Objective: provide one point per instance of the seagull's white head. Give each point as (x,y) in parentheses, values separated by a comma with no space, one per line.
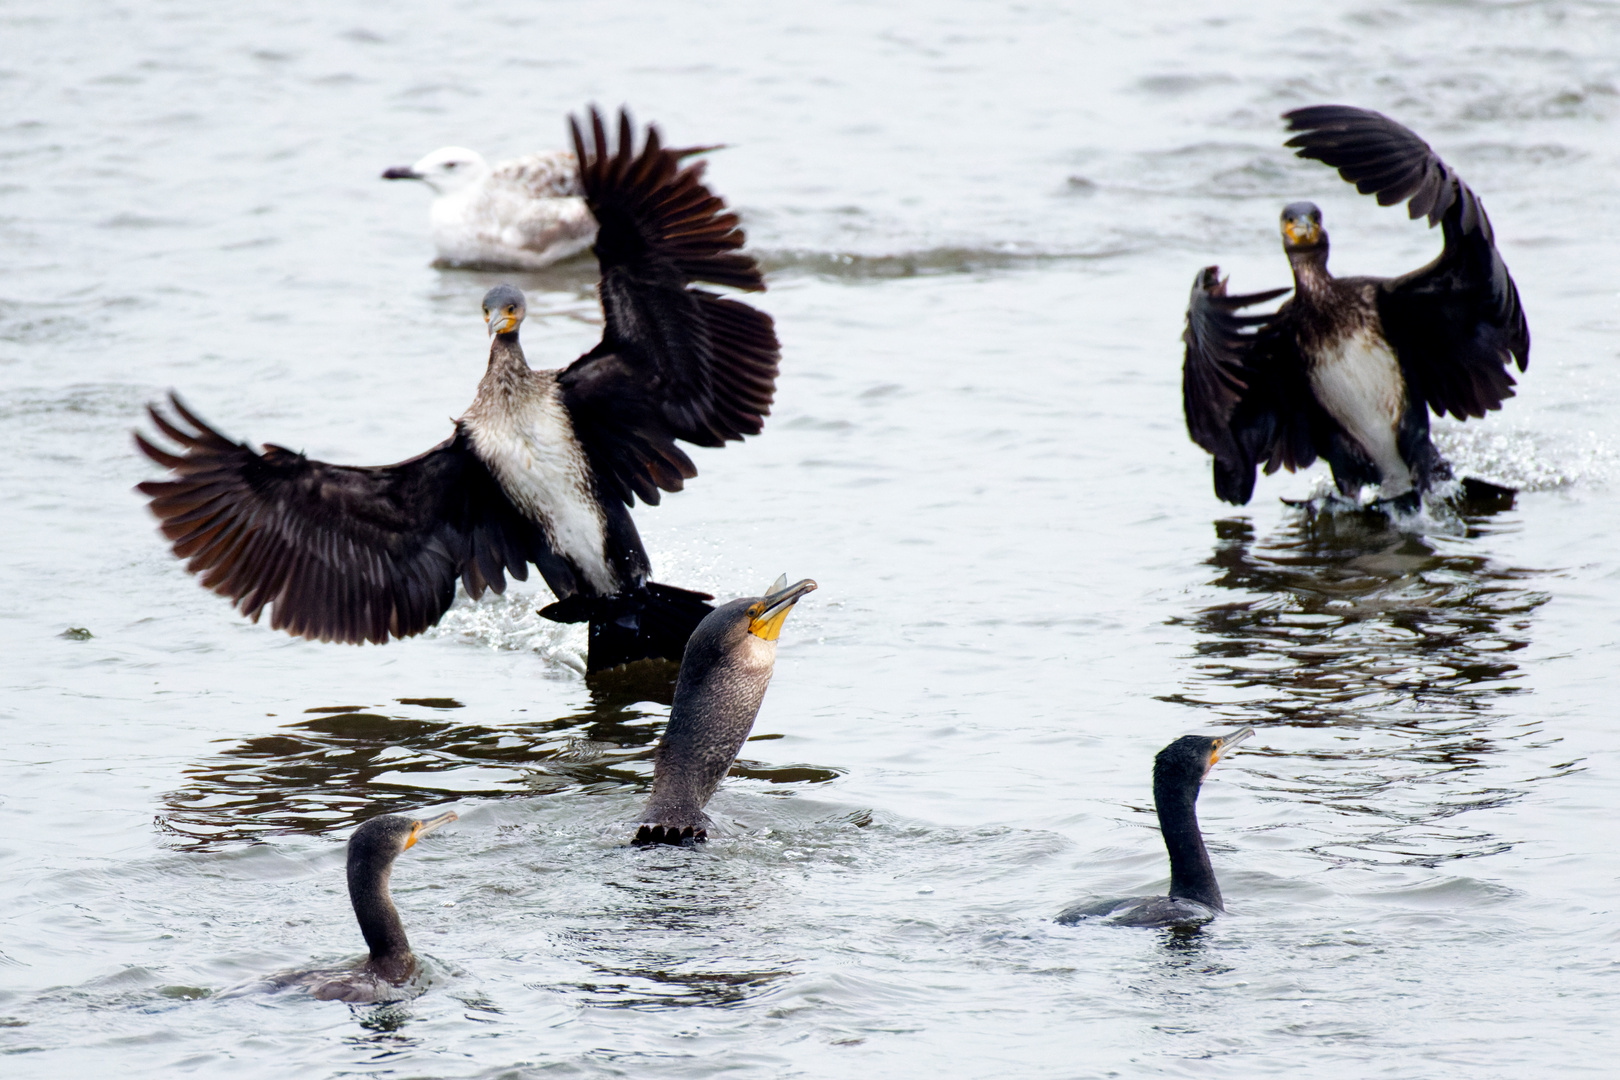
(447,169)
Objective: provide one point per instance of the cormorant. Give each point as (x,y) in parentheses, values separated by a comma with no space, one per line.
(372,851)
(723,677)
(1178,773)
(542,468)
(1348,368)
(523,214)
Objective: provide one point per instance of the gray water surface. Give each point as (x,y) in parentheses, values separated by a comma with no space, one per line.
(980,224)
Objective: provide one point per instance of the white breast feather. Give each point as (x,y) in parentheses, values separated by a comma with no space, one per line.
(499,225)
(1358,381)
(532,452)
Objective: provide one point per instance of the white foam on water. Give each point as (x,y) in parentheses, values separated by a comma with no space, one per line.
(1528,460)
(512,623)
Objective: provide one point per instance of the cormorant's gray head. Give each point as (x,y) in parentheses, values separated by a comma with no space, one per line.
(504,309)
(447,169)
(1188,760)
(767,614)
(1302,227)
(743,632)
(390,834)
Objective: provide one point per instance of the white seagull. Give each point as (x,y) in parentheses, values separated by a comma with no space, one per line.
(522,214)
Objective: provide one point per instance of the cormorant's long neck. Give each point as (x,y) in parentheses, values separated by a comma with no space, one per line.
(1191,875)
(716,700)
(1312,282)
(507,366)
(374,909)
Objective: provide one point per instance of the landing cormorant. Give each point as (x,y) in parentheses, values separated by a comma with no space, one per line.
(1178,773)
(1348,368)
(542,468)
(723,677)
(372,851)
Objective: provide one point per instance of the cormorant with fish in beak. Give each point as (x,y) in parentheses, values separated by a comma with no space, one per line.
(725,671)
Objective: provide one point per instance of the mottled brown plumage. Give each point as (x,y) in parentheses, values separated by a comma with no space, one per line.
(1278,391)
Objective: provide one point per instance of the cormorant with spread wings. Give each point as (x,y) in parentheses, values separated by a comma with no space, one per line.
(1348,368)
(542,468)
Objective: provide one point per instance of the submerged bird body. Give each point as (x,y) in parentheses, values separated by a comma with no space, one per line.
(723,678)
(1347,369)
(391,964)
(542,468)
(523,214)
(1194,896)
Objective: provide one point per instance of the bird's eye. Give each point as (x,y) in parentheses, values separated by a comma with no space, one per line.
(451,164)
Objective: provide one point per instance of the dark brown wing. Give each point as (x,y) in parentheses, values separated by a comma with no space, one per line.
(339,553)
(1456,324)
(1242,387)
(674,362)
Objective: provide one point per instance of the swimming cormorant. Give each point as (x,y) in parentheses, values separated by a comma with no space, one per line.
(1178,773)
(723,677)
(372,851)
(1348,368)
(542,468)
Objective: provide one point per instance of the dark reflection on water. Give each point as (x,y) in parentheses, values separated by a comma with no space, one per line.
(641,952)
(1348,620)
(651,988)
(343,763)
(1399,647)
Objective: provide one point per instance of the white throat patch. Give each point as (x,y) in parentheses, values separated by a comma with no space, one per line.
(528,442)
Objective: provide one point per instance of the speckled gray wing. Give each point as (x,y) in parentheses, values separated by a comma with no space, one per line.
(1242,387)
(547,174)
(1456,324)
(339,553)
(675,362)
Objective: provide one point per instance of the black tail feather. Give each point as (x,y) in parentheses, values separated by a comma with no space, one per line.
(654,621)
(1484,497)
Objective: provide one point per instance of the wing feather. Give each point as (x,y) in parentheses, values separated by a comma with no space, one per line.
(337,553)
(675,362)
(1242,387)
(1456,324)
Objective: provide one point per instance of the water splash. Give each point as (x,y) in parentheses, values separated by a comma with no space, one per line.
(512,623)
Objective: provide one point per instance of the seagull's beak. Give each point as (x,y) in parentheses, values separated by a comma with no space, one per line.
(401,172)
(766,617)
(420,829)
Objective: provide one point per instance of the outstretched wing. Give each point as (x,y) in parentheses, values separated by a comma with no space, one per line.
(1242,387)
(674,362)
(1456,324)
(339,553)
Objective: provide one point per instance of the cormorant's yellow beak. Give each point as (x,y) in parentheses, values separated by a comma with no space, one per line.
(1224,744)
(422,828)
(766,617)
(502,322)
(1301,232)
